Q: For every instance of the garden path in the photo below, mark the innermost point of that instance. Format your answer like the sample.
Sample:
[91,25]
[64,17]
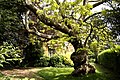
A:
[22,73]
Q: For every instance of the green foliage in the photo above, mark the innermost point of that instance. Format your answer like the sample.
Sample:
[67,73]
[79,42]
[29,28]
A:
[67,61]
[56,60]
[112,18]
[11,27]
[60,61]
[9,54]
[94,46]
[110,58]
[42,62]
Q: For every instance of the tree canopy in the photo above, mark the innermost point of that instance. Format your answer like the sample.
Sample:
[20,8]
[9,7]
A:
[73,19]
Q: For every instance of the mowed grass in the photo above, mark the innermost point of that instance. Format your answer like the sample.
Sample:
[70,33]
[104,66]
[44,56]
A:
[51,73]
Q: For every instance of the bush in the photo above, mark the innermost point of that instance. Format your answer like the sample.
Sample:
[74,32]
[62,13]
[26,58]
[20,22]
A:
[43,62]
[10,55]
[56,61]
[110,58]
[60,61]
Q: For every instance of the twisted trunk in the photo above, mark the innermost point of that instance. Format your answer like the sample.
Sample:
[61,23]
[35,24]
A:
[79,58]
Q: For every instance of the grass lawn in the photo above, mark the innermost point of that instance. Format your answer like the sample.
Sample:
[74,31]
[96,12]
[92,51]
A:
[51,73]
[64,74]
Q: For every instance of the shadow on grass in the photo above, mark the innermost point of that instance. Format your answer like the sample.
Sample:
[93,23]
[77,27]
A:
[64,74]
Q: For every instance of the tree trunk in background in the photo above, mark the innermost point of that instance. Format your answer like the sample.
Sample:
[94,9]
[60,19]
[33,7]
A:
[79,58]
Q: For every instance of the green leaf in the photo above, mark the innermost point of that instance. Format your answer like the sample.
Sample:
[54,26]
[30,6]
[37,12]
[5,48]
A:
[39,12]
[3,50]
[1,65]
[104,12]
[2,57]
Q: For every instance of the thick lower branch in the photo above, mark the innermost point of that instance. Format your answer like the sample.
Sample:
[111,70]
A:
[48,21]
[34,30]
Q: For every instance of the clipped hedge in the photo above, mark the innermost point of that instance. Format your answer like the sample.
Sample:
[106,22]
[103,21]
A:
[110,58]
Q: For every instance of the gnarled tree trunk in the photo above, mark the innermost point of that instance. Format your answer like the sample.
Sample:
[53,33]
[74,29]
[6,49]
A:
[79,58]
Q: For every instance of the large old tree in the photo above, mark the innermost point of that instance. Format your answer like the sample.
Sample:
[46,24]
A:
[73,19]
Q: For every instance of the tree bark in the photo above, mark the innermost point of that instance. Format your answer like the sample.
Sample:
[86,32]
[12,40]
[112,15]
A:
[79,58]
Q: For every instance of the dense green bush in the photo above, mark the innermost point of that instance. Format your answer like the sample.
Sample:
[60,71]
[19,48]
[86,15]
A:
[60,61]
[110,58]
[9,55]
[56,61]
[43,62]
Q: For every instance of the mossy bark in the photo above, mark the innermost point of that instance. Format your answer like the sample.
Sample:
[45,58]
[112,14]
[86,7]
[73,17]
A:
[79,58]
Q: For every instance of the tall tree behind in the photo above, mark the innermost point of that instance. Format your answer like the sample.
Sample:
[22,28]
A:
[11,27]
[112,18]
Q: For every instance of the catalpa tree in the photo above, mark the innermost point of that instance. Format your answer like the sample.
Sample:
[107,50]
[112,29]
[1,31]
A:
[71,19]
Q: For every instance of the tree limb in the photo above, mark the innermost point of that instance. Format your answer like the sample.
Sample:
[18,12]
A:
[99,3]
[85,2]
[95,5]
[91,16]
[57,1]
[35,31]
[91,30]
[48,21]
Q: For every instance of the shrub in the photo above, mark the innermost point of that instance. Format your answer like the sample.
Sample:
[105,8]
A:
[56,60]
[43,62]
[60,61]
[9,54]
[110,58]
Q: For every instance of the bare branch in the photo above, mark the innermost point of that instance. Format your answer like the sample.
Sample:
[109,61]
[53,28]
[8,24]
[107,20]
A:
[91,16]
[64,1]
[35,31]
[91,30]
[26,22]
[85,2]
[99,3]
[57,1]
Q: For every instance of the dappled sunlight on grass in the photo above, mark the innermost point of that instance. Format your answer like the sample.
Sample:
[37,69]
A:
[65,74]
[52,73]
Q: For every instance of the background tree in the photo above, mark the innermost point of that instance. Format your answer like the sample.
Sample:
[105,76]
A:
[112,18]
[11,28]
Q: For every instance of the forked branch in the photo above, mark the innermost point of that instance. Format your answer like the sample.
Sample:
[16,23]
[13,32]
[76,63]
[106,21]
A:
[48,21]
[35,30]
